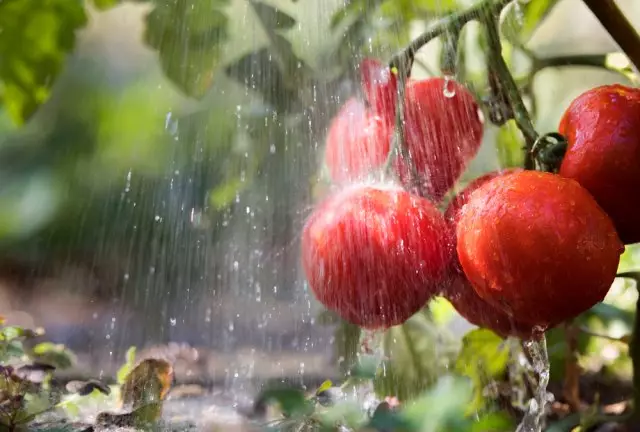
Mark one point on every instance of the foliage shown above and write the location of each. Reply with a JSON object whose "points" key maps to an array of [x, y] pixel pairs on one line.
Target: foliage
{"points": [[91, 144]]}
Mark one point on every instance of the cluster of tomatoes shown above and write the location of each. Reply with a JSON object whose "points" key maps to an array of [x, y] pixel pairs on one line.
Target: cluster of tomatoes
{"points": [[517, 251]]}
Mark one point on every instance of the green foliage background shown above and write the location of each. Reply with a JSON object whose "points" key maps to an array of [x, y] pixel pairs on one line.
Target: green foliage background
{"points": [[130, 130]]}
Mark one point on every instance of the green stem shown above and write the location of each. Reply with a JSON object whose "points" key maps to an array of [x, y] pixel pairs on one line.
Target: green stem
{"points": [[634, 351], [508, 84], [595, 60], [453, 22], [617, 25], [398, 145]]}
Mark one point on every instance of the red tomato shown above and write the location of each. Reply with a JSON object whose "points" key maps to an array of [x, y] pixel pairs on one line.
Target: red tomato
{"points": [[460, 293], [537, 246], [480, 313], [375, 254], [380, 87], [442, 133], [357, 142], [458, 201], [602, 127]]}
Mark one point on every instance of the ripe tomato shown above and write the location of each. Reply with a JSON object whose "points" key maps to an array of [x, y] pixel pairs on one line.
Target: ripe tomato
{"points": [[460, 293], [602, 127], [537, 246], [375, 254], [380, 87], [480, 313], [442, 133], [357, 142], [458, 201]]}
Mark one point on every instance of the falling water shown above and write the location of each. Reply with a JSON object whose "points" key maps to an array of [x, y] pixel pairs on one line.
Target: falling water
{"points": [[533, 420]]}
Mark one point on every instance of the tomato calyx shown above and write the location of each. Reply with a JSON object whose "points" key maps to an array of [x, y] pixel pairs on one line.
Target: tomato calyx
{"points": [[549, 150]]}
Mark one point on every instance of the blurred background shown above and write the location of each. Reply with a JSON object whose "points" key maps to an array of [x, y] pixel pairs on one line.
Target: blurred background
{"points": [[158, 158]]}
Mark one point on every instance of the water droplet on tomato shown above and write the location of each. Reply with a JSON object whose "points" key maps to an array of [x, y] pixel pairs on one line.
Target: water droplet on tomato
{"points": [[449, 89]]}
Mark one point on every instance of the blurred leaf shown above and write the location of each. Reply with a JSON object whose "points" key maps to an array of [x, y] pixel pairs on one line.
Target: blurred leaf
{"points": [[147, 383], [52, 354], [324, 386], [292, 402], [607, 313], [405, 11], [509, 145], [271, 16], [416, 355], [223, 195], [105, 4], [443, 407], [493, 422], [34, 41], [259, 70], [188, 35], [484, 356], [129, 364], [521, 20], [348, 414]]}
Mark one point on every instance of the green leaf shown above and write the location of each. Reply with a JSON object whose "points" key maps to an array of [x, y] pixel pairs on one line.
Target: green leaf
{"points": [[35, 38], [522, 20], [443, 407], [292, 402], [52, 354], [272, 17], [493, 422], [324, 386], [105, 4], [223, 195], [484, 356], [188, 35], [416, 355], [129, 364], [509, 144]]}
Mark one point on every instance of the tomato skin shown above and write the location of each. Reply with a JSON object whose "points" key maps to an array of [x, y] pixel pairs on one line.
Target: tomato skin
{"points": [[480, 313], [460, 293], [602, 127], [357, 142], [380, 87], [537, 246], [451, 214], [375, 254], [442, 133]]}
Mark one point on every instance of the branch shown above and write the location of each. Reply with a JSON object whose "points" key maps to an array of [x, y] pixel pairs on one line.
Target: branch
{"points": [[508, 84], [453, 22], [617, 25]]}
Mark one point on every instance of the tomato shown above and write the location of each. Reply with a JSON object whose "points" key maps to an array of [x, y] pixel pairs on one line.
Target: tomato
{"points": [[458, 201], [602, 127], [380, 87], [357, 142], [481, 313], [460, 293], [375, 254], [537, 246], [442, 133]]}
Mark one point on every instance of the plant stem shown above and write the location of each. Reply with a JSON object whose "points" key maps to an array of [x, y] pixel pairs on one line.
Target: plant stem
{"points": [[571, 385], [398, 145], [617, 25], [453, 22], [595, 60], [508, 84], [634, 352]]}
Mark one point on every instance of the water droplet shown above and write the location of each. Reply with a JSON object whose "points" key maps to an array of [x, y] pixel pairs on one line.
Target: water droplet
{"points": [[449, 89], [173, 322]]}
